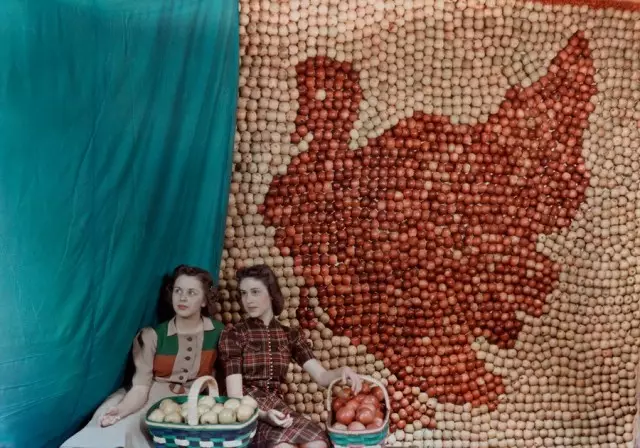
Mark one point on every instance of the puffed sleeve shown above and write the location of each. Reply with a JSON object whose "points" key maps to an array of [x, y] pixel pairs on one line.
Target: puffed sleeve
{"points": [[300, 349], [144, 350], [230, 348]]}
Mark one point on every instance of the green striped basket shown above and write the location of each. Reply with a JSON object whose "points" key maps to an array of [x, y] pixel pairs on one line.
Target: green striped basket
{"points": [[371, 438], [191, 434]]}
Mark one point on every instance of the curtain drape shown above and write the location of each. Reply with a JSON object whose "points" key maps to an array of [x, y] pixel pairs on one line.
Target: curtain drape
{"points": [[117, 122]]}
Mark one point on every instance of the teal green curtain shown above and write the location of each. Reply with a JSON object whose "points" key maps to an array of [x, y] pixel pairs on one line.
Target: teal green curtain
{"points": [[117, 120]]}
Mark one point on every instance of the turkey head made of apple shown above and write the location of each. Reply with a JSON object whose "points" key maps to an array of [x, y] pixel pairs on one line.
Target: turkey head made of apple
{"points": [[425, 239]]}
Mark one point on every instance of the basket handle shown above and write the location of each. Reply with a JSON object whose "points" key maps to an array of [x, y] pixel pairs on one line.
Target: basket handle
{"points": [[365, 378], [194, 392]]}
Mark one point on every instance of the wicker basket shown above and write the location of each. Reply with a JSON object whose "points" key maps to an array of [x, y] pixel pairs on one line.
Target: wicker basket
{"points": [[370, 438], [170, 435]]}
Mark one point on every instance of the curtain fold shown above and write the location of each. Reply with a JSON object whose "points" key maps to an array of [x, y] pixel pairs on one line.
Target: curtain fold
{"points": [[117, 122]]}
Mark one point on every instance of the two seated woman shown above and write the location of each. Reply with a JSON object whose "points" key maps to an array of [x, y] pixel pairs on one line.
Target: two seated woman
{"points": [[255, 354]]}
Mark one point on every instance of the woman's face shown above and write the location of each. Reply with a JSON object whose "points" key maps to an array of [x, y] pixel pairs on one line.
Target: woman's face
{"points": [[256, 300], [188, 297]]}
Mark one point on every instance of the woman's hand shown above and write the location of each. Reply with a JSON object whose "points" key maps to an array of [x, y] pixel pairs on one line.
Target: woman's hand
{"points": [[277, 418], [112, 416], [325, 377], [132, 402], [348, 374]]}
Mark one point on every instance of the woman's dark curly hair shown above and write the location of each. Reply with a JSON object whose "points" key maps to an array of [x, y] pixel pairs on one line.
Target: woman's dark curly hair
{"points": [[264, 273], [210, 290]]}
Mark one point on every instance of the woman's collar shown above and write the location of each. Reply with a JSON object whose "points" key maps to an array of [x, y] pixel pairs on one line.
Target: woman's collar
{"points": [[172, 328]]}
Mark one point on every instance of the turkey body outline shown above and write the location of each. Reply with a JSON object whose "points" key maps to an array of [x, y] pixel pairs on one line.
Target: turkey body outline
{"points": [[425, 239]]}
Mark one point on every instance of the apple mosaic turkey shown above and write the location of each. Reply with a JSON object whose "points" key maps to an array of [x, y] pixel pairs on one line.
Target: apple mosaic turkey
{"points": [[210, 412], [425, 239], [521, 326]]}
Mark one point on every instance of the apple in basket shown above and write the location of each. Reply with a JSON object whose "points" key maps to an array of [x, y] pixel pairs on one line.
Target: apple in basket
{"points": [[209, 412], [364, 411]]}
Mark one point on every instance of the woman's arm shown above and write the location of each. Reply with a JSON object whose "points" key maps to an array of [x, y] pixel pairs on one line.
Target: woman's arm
{"points": [[144, 350], [325, 377], [231, 347], [303, 355], [272, 416], [135, 399], [132, 402]]}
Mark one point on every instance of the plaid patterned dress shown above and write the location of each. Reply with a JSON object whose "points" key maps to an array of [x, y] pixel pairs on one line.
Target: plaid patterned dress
{"points": [[261, 354]]}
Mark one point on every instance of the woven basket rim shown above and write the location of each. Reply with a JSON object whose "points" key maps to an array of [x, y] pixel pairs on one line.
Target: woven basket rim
{"points": [[365, 432], [229, 426]]}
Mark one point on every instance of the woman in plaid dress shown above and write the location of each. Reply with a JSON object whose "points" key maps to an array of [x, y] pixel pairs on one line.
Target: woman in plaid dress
{"points": [[256, 354]]}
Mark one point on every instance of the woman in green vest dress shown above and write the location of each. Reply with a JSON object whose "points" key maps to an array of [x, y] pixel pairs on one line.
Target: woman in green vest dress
{"points": [[167, 358]]}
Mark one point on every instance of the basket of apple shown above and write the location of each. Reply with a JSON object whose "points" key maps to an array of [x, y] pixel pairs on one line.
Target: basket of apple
{"points": [[189, 420], [360, 419]]}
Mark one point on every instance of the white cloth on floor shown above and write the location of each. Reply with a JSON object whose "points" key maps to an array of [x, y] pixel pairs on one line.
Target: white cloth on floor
{"points": [[130, 432]]}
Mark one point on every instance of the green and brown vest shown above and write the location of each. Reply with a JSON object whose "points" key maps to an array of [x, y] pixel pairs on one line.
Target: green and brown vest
{"points": [[166, 364]]}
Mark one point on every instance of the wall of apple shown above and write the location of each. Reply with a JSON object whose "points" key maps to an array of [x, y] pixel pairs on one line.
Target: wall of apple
{"points": [[448, 192]]}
